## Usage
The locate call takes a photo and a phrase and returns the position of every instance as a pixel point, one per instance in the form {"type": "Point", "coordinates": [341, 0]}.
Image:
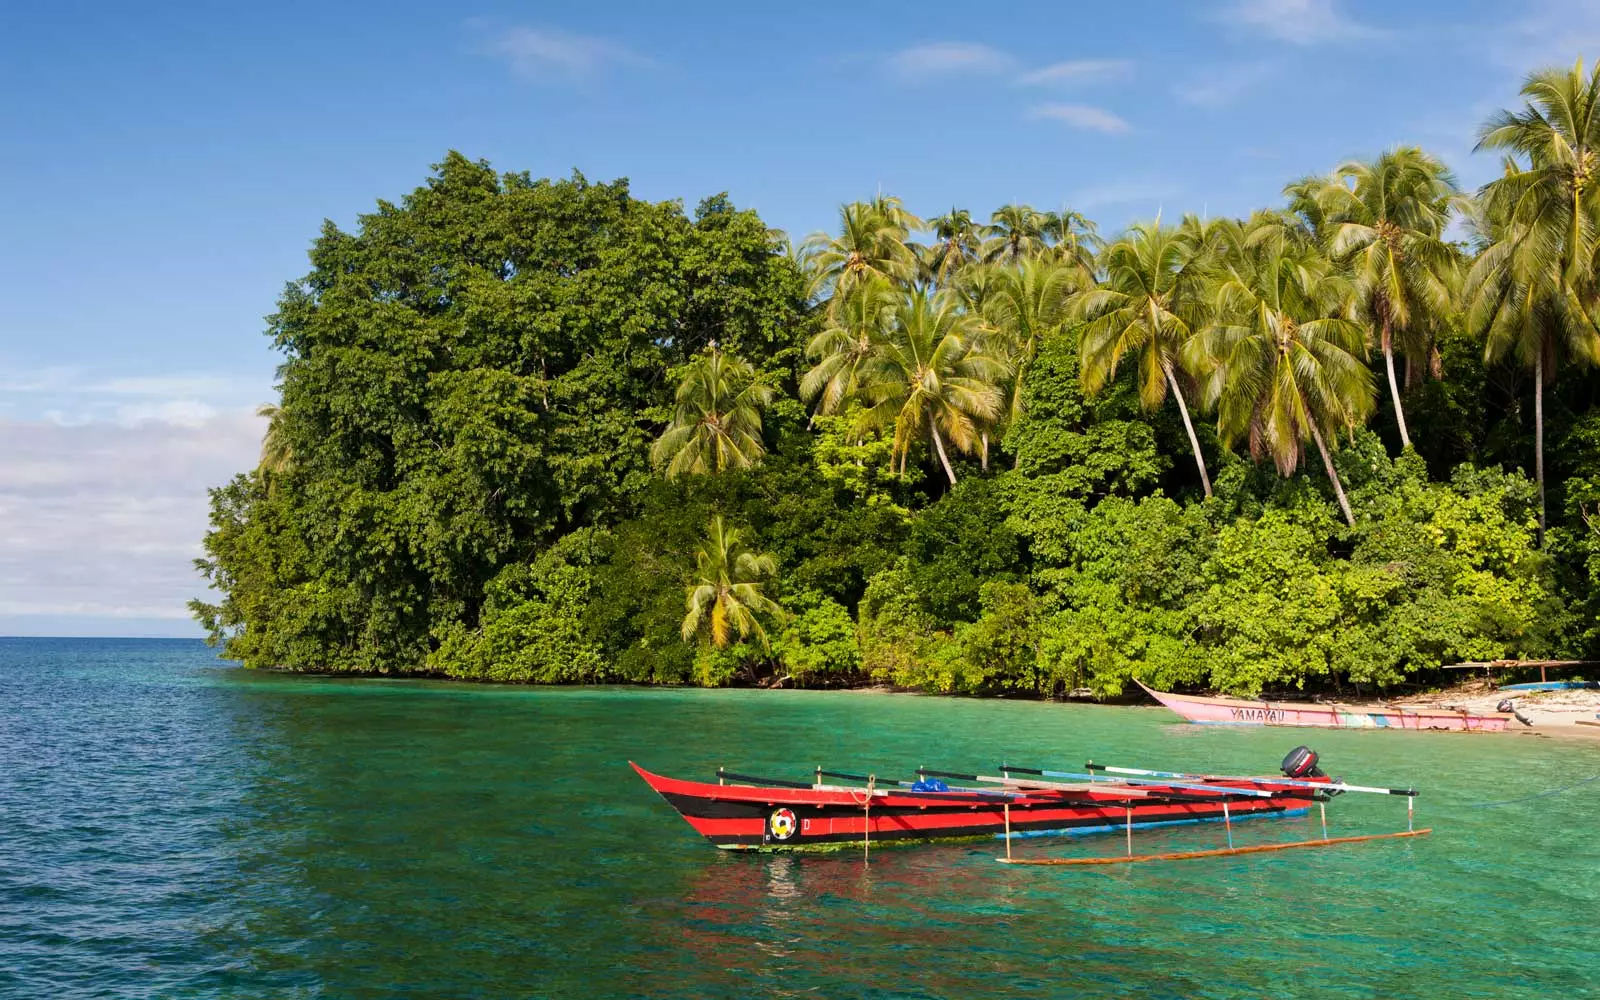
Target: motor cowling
{"type": "Point", "coordinates": [1301, 762]}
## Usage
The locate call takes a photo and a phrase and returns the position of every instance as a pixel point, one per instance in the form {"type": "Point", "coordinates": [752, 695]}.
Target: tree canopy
{"type": "Point", "coordinates": [543, 431]}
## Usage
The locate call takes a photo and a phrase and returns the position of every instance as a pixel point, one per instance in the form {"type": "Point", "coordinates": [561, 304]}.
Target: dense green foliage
{"type": "Point", "coordinates": [1002, 460]}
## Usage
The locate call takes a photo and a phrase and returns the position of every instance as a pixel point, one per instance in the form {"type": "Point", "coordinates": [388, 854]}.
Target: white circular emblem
{"type": "Point", "coordinates": [782, 824]}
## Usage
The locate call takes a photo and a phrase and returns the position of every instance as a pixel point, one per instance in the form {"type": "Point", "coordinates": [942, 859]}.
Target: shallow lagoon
{"type": "Point", "coordinates": [172, 827]}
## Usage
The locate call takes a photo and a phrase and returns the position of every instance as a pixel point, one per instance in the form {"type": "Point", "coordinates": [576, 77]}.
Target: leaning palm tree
{"type": "Point", "coordinates": [716, 423]}
{"type": "Point", "coordinates": [931, 379]}
{"type": "Point", "coordinates": [1152, 300]}
{"type": "Point", "coordinates": [725, 594]}
{"type": "Point", "coordinates": [871, 243]}
{"type": "Point", "coordinates": [1533, 291]}
{"type": "Point", "coordinates": [1386, 221]}
{"type": "Point", "coordinates": [853, 332]}
{"type": "Point", "coordinates": [958, 241]}
{"type": "Point", "coordinates": [1016, 232]}
{"type": "Point", "coordinates": [1280, 362]}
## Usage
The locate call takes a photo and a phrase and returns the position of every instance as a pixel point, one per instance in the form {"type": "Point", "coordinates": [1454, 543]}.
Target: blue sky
{"type": "Point", "coordinates": [166, 170]}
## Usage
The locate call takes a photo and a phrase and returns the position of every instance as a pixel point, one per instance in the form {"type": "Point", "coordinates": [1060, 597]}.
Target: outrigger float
{"type": "Point", "coordinates": [840, 809]}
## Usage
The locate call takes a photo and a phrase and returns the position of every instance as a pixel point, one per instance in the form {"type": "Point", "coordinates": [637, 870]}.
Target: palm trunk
{"type": "Point", "coordinates": [1194, 442]}
{"type": "Point", "coordinates": [1538, 434]}
{"type": "Point", "coordinates": [1333, 477]}
{"type": "Point", "coordinates": [938, 442]}
{"type": "Point", "coordinates": [1394, 387]}
{"type": "Point", "coordinates": [984, 459]}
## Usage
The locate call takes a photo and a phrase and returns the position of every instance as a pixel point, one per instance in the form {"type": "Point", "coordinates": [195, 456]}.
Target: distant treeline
{"type": "Point", "coordinates": [541, 431]}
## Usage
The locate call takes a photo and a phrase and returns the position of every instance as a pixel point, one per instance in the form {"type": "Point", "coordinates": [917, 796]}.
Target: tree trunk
{"type": "Point", "coordinates": [1333, 477]}
{"type": "Point", "coordinates": [1394, 387]}
{"type": "Point", "coordinates": [984, 460]}
{"type": "Point", "coordinates": [938, 442]}
{"type": "Point", "coordinates": [1194, 442]}
{"type": "Point", "coordinates": [1538, 434]}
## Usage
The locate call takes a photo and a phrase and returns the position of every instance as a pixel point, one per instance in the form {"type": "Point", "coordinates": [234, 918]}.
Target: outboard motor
{"type": "Point", "coordinates": [1301, 763]}
{"type": "Point", "coordinates": [1507, 705]}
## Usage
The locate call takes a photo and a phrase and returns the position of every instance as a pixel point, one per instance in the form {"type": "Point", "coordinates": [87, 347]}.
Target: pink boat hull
{"type": "Point", "coordinates": [1234, 712]}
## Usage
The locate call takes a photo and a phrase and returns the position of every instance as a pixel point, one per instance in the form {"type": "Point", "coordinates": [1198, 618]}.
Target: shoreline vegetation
{"type": "Point", "coordinates": [539, 431]}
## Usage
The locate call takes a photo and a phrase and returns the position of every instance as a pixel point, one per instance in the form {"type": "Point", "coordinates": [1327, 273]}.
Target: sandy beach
{"type": "Point", "coordinates": [1551, 712]}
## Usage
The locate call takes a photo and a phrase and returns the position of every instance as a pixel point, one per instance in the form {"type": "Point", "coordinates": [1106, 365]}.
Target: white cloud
{"type": "Point", "coordinates": [1299, 22]}
{"type": "Point", "coordinates": [1076, 71]}
{"type": "Point", "coordinates": [104, 519]}
{"type": "Point", "coordinates": [1082, 116]}
{"type": "Point", "coordinates": [1222, 86]}
{"type": "Point", "coordinates": [938, 59]}
{"type": "Point", "coordinates": [546, 53]}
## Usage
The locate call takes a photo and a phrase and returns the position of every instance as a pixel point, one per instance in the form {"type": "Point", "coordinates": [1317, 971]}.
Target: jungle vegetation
{"type": "Point", "coordinates": [542, 431]}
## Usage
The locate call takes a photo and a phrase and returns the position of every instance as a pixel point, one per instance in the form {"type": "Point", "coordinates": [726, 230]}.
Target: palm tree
{"type": "Point", "coordinates": [1075, 239]}
{"type": "Point", "coordinates": [1386, 221]}
{"type": "Point", "coordinates": [1281, 364]}
{"type": "Point", "coordinates": [716, 424]}
{"type": "Point", "coordinates": [1533, 289]}
{"type": "Point", "coordinates": [1015, 232]}
{"type": "Point", "coordinates": [929, 377]}
{"type": "Point", "coordinates": [894, 210]}
{"type": "Point", "coordinates": [1027, 305]}
{"type": "Point", "coordinates": [277, 456]}
{"type": "Point", "coordinates": [871, 244]}
{"type": "Point", "coordinates": [1152, 300]}
{"type": "Point", "coordinates": [725, 594]}
{"type": "Point", "coordinates": [854, 331]}
{"type": "Point", "coordinates": [958, 241]}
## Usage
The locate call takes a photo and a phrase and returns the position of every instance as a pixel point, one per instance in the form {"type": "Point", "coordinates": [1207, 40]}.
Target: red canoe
{"type": "Point", "coordinates": [768, 814]}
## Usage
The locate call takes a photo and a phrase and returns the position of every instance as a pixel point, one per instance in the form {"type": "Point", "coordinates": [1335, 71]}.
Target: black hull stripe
{"type": "Point", "coordinates": [985, 831]}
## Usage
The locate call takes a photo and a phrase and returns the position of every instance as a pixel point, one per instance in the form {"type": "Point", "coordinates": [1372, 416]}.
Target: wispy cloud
{"type": "Point", "coordinates": [70, 396]}
{"type": "Point", "coordinates": [1299, 22]}
{"type": "Point", "coordinates": [1082, 116]}
{"type": "Point", "coordinates": [1222, 86]}
{"type": "Point", "coordinates": [921, 63]}
{"type": "Point", "coordinates": [1076, 71]}
{"type": "Point", "coordinates": [555, 54]}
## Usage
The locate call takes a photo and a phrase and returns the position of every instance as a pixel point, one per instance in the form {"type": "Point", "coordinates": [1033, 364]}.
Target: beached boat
{"type": "Point", "coordinates": [1235, 712]}
{"type": "Point", "coordinates": [835, 808]}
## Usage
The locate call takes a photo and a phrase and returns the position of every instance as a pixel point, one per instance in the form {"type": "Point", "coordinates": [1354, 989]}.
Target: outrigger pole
{"type": "Point", "coordinates": [1156, 777]}
{"type": "Point", "coordinates": [1323, 786]}
{"type": "Point", "coordinates": [1258, 793]}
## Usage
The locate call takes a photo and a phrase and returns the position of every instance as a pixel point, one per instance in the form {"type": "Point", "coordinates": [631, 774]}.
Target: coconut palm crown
{"type": "Point", "coordinates": [725, 594]}
{"type": "Point", "coordinates": [716, 421]}
{"type": "Point", "coordinates": [1385, 221]}
{"type": "Point", "coordinates": [1281, 364]}
{"type": "Point", "coordinates": [1152, 299]}
{"type": "Point", "coordinates": [930, 378]}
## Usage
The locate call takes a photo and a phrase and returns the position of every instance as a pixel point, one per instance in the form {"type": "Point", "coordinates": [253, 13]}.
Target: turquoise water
{"type": "Point", "coordinates": [171, 827]}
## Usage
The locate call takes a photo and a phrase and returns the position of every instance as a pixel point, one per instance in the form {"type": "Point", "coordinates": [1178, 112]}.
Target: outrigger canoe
{"type": "Point", "coordinates": [744, 812]}
{"type": "Point", "coordinates": [1235, 712]}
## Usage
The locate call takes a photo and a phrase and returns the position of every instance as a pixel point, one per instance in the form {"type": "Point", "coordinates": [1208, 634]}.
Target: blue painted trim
{"type": "Point", "coordinates": [1552, 686]}
{"type": "Point", "coordinates": [1150, 825]}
